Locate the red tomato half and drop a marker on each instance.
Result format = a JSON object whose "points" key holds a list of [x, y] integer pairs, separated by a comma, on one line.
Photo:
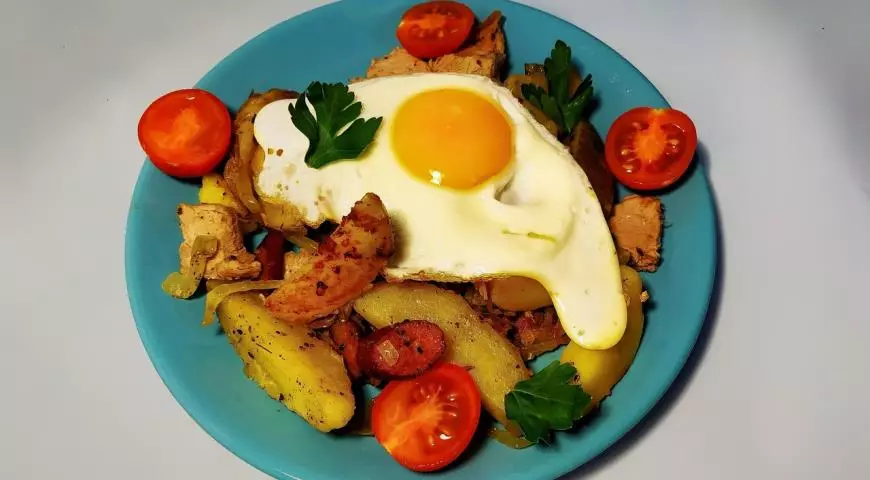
{"points": [[650, 148], [185, 133], [426, 422], [432, 29]]}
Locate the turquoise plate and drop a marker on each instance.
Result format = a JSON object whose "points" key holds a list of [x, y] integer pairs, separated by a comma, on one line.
{"points": [[334, 43]]}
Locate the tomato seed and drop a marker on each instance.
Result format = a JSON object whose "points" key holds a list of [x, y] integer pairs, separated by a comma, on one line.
{"points": [[443, 433], [631, 164]]}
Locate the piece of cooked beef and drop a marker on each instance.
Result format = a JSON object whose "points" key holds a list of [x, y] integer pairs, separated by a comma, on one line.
{"points": [[636, 225], [484, 55], [397, 62]]}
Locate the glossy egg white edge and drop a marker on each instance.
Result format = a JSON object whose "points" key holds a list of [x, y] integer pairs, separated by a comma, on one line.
{"points": [[539, 218]]}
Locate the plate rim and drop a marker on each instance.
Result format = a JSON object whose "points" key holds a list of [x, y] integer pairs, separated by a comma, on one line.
{"points": [[565, 463]]}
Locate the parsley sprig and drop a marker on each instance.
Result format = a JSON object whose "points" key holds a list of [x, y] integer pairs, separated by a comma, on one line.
{"points": [[334, 107], [564, 107], [547, 401]]}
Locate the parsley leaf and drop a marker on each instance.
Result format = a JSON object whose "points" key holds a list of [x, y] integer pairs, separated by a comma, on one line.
{"points": [[558, 70], [538, 97], [564, 107], [547, 401], [334, 107], [574, 111]]}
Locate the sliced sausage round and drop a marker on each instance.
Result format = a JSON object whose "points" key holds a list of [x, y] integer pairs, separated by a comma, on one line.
{"points": [[402, 350]]}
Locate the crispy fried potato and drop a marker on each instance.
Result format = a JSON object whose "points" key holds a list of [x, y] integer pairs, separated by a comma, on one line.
{"points": [[600, 370], [243, 123], [256, 101], [345, 265], [297, 264], [518, 294], [276, 213], [295, 368], [494, 362], [237, 171]]}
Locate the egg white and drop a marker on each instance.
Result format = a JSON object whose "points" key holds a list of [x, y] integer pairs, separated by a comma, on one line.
{"points": [[538, 218]]}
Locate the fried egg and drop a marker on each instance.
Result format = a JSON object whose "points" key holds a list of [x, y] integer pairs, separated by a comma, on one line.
{"points": [[475, 187]]}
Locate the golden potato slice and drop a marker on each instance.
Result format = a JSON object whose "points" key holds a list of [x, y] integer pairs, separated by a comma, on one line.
{"points": [[494, 362], [292, 366], [518, 294], [345, 264], [600, 370], [215, 191]]}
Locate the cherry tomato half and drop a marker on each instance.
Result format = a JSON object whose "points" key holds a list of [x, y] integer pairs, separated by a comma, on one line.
{"points": [[436, 28], [185, 133], [426, 422], [650, 148]]}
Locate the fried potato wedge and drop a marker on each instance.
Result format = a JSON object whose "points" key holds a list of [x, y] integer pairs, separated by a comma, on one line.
{"points": [[344, 265], [600, 370], [292, 366], [494, 362]]}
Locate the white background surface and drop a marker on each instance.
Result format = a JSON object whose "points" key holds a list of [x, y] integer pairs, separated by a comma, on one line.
{"points": [[779, 92]]}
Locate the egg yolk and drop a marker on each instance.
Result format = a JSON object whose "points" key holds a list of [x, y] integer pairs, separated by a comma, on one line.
{"points": [[452, 137]]}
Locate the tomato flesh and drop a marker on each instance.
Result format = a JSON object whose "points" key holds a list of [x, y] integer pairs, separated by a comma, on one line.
{"points": [[650, 148], [425, 423], [433, 29], [185, 133]]}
